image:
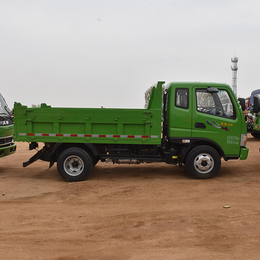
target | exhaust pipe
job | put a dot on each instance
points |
(126, 161)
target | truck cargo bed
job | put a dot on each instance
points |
(90, 125)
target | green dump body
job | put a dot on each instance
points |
(91, 125)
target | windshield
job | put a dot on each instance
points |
(3, 106)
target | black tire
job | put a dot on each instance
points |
(74, 164)
(203, 162)
(255, 134)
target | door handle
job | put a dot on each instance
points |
(200, 125)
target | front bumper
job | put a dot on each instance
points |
(7, 150)
(243, 153)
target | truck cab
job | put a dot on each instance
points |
(252, 112)
(7, 146)
(205, 113)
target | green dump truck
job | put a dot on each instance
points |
(7, 146)
(251, 108)
(195, 124)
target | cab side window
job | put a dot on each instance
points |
(182, 98)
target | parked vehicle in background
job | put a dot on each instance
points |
(7, 146)
(195, 124)
(252, 105)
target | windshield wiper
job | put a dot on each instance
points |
(8, 111)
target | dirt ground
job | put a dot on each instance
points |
(139, 212)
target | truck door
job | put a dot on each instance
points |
(179, 111)
(215, 119)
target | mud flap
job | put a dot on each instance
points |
(34, 158)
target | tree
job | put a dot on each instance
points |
(148, 93)
(147, 96)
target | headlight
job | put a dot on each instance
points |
(243, 140)
(5, 122)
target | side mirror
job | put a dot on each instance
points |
(256, 106)
(242, 103)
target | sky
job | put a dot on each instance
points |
(93, 53)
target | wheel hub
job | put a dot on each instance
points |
(204, 163)
(73, 165)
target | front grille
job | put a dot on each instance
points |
(6, 140)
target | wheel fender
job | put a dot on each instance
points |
(206, 142)
(90, 147)
(195, 141)
(93, 149)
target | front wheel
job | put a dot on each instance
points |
(74, 164)
(203, 162)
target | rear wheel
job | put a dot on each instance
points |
(74, 164)
(203, 162)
